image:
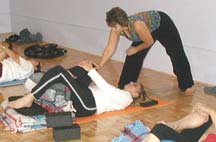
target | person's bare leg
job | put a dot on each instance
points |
(25, 101)
(192, 120)
(151, 138)
(207, 109)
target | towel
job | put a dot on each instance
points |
(21, 123)
(133, 132)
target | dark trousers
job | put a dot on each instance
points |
(168, 35)
(82, 97)
(164, 132)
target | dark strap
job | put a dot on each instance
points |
(0, 70)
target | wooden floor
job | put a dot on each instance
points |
(156, 84)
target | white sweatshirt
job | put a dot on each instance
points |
(12, 70)
(108, 97)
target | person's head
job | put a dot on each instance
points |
(117, 16)
(137, 91)
(134, 88)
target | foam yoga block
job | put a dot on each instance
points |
(149, 103)
(60, 119)
(66, 133)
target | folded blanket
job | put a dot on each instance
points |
(10, 123)
(21, 123)
(133, 132)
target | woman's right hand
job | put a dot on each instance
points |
(110, 47)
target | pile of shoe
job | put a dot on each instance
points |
(25, 37)
(46, 51)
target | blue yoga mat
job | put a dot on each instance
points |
(11, 83)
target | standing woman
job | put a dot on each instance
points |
(143, 29)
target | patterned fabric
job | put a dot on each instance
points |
(20, 123)
(151, 19)
(40, 123)
(56, 99)
(133, 132)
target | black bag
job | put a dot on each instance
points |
(25, 37)
(46, 51)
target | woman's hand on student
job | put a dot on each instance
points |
(131, 51)
(96, 66)
(87, 65)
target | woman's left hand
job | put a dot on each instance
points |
(131, 51)
(87, 65)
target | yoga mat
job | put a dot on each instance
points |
(130, 109)
(11, 83)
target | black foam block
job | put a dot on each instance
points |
(59, 119)
(67, 133)
(149, 103)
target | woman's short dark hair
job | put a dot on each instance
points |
(116, 16)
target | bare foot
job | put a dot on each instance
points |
(188, 91)
(151, 138)
(25, 101)
(169, 124)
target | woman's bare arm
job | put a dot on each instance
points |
(111, 47)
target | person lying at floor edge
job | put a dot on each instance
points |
(188, 129)
(13, 66)
(87, 98)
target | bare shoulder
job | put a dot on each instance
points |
(138, 25)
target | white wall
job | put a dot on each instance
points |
(81, 24)
(5, 23)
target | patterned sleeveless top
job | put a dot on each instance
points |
(151, 19)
